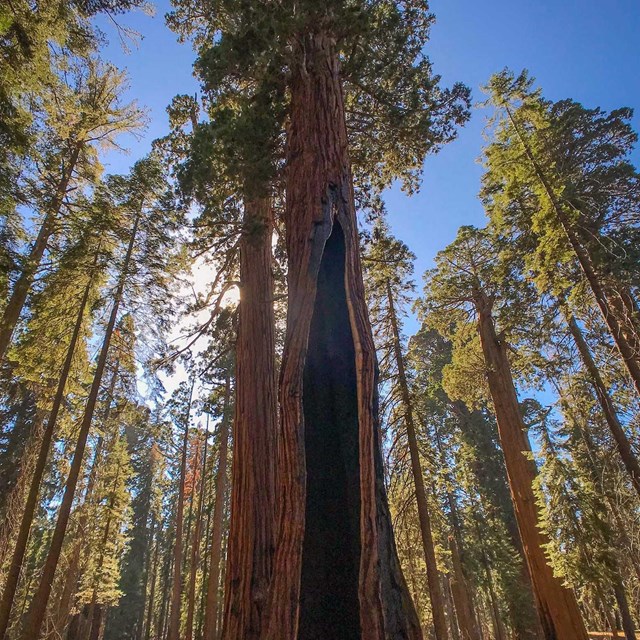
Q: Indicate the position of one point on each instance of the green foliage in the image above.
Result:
(584, 155)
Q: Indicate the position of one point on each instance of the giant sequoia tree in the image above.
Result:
(309, 61)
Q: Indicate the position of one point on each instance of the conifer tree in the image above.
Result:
(183, 400)
(84, 109)
(464, 283)
(562, 172)
(388, 267)
(89, 256)
(467, 443)
(143, 204)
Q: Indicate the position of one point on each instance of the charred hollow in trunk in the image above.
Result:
(331, 549)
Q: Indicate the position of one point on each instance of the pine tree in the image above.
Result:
(142, 203)
(83, 110)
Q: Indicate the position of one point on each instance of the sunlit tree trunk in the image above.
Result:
(557, 606)
(251, 530)
(336, 572)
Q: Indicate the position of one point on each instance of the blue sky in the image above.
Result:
(582, 49)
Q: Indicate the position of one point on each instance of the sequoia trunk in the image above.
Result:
(328, 392)
(557, 606)
(250, 549)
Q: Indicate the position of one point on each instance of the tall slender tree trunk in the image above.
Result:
(96, 612)
(251, 530)
(176, 589)
(612, 310)
(208, 496)
(148, 624)
(524, 615)
(74, 568)
(594, 468)
(461, 596)
(451, 612)
(166, 593)
(22, 286)
(428, 547)
(215, 550)
(149, 576)
(195, 546)
(499, 631)
(557, 606)
(630, 307)
(623, 607)
(460, 589)
(17, 559)
(336, 572)
(35, 615)
(606, 404)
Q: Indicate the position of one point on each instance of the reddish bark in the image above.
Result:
(557, 606)
(250, 549)
(320, 208)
